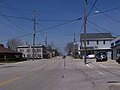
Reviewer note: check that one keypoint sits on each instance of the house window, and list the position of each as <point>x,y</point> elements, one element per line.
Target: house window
<point>38,50</point>
<point>28,50</point>
<point>97,42</point>
<point>118,51</point>
<point>34,50</point>
<point>103,41</point>
<point>28,56</point>
<point>21,50</point>
<point>88,42</point>
<point>39,55</point>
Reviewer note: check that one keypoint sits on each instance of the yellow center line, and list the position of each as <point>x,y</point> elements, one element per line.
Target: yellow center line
<point>9,81</point>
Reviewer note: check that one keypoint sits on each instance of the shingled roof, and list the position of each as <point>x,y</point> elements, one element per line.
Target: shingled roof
<point>96,35</point>
<point>6,50</point>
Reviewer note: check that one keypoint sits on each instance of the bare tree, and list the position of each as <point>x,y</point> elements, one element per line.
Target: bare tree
<point>72,49</point>
<point>69,48</point>
<point>13,43</point>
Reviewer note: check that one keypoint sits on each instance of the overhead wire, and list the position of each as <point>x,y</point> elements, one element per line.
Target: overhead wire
<point>22,9</point>
<point>59,25</point>
<point>91,25</point>
<point>20,29</point>
<point>87,16</point>
<point>30,19</point>
<point>16,8</point>
<point>8,25</point>
<point>24,35</point>
<point>107,15</point>
<point>92,8</point>
<point>80,31</point>
<point>21,36</point>
<point>55,20</point>
<point>17,17</point>
<point>109,10</point>
<point>101,27</point>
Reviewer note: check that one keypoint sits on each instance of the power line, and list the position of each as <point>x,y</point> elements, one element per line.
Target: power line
<point>112,9</point>
<point>31,10</point>
<point>16,17</point>
<point>54,20</point>
<point>8,25</point>
<point>95,28</point>
<point>21,36</point>
<point>30,19</point>
<point>21,9</point>
<point>59,24</point>
<point>106,14</point>
<point>45,29</point>
<point>101,27</point>
<point>80,31</point>
<point>87,16</point>
<point>92,8</point>
<point>109,10</point>
<point>21,29</point>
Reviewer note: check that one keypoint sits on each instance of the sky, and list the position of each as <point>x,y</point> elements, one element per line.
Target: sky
<point>58,19</point>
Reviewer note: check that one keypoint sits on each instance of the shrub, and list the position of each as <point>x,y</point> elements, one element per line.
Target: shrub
<point>12,59</point>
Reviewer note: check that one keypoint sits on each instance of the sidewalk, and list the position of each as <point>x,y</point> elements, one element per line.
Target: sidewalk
<point>10,64</point>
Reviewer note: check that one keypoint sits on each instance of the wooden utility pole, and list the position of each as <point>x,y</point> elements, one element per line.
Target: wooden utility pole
<point>46,40</point>
<point>34,32</point>
<point>85,32</point>
<point>74,39</point>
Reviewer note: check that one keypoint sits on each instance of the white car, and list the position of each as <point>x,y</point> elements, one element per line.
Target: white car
<point>91,56</point>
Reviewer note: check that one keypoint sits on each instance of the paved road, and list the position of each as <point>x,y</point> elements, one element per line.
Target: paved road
<point>60,74</point>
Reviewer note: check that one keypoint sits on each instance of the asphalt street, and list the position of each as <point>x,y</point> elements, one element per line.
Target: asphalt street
<point>60,74</point>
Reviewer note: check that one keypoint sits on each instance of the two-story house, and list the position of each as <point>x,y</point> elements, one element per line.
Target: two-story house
<point>27,50</point>
<point>96,42</point>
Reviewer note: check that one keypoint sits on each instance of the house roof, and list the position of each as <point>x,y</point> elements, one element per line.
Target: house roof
<point>6,50</point>
<point>96,35</point>
<point>28,46</point>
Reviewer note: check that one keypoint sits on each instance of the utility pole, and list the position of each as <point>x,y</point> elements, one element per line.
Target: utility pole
<point>34,32</point>
<point>74,38</point>
<point>46,40</point>
<point>85,61</point>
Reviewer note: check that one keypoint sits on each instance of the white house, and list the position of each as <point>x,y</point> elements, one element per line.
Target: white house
<point>27,50</point>
<point>96,42</point>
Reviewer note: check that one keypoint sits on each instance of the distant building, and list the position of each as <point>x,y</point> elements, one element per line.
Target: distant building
<point>96,42</point>
<point>27,50</point>
<point>115,45</point>
<point>6,53</point>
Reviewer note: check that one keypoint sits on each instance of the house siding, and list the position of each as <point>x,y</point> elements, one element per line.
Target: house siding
<point>94,44</point>
<point>28,51</point>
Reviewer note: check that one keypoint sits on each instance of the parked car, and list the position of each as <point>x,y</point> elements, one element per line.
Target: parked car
<point>91,56</point>
<point>63,57</point>
<point>101,56</point>
<point>118,60</point>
